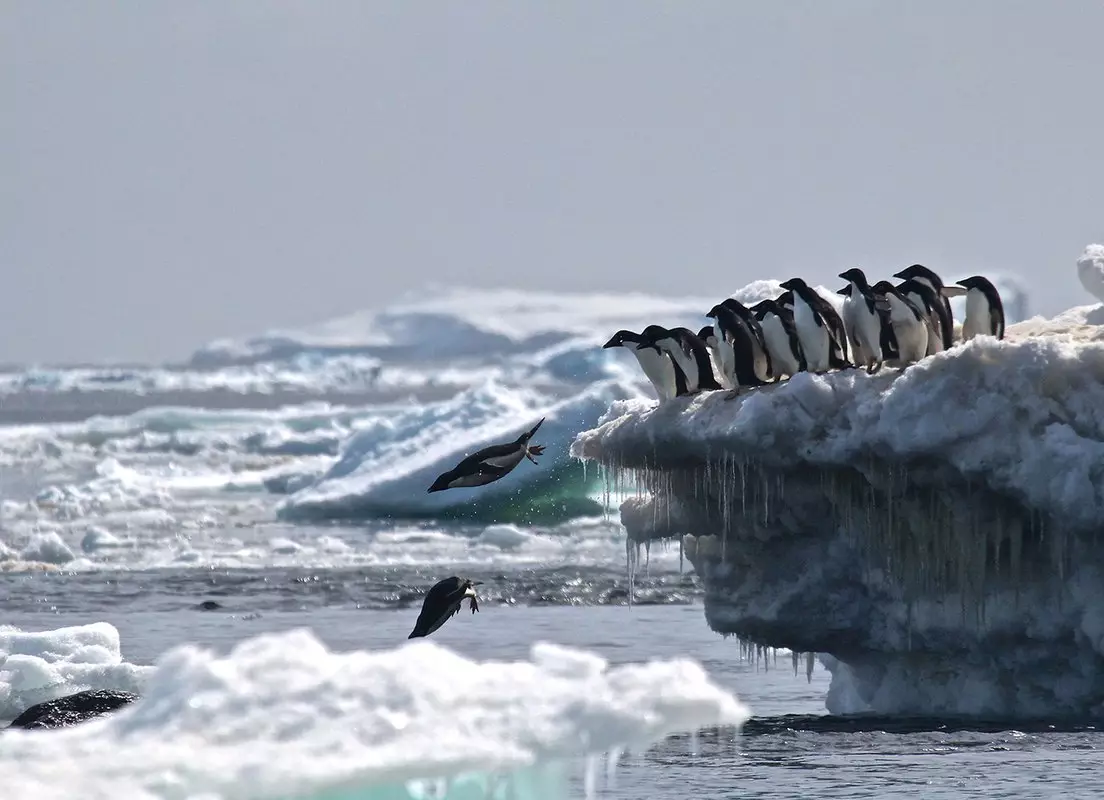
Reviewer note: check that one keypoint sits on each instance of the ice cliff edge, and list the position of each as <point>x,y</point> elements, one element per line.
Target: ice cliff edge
<point>932,532</point>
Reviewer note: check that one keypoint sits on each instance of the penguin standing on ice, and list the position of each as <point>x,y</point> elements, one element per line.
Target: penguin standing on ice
<point>760,355</point>
<point>666,377</point>
<point>918,272</point>
<point>934,309</point>
<point>863,321</point>
<point>984,309</point>
<point>442,602</point>
<point>780,337</point>
<point>490,463</point>
<point>739,339</point>
<point>909,326</point>
<point>708,334</point>
<point>689,354</point>
<point>823,338</point>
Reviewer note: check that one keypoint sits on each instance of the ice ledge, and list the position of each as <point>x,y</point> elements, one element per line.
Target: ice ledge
<point>932,531</point>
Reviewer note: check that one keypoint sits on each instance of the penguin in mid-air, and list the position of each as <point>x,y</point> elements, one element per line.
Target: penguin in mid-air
<point>910,329</point>
<point>780,337</point>
<point>984,309</point>
<point>918,272</point>
<point>931,305</point>
<point>442,601</point>
<point>688,352</point>
<point>664,374</point>
<point>823,338</point>
<point>739,339</point>
<point>490,463</point>
<point>863,321</point>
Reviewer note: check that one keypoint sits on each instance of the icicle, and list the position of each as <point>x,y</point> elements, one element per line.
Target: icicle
<point>590,777</point>
<point>795,656</point>
<point>694,749</point>
<point>810,662</point>
<point>680,555</point>
<point>612,758</point>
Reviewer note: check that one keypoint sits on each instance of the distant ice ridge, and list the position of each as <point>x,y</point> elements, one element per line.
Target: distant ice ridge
<point>386,469</point>
<point>283,717</point>
<point>41,666</point>
<point>933,532</point>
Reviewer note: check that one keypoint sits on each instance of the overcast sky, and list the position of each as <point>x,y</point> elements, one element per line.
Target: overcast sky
<point>176,172</point>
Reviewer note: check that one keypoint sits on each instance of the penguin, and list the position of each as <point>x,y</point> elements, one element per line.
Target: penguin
<point>760,355</point>
<point>984,309</point>
<point>442,601</point>
<point>780,336</point>
<point>863,321</point>
<point>785,301</point>
<point>819,327</point>
<point>918,272</point>
<point>909,326</point>
<point>708,334</point>
<point>931,305</point>
<point>490,463</point>
<point>738,337</point>
<point>658,366</point>
<point>688,353</point>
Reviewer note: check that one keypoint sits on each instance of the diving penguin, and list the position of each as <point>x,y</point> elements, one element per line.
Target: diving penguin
<point>442,601</point>
<point>490,463</point>
<point>657,366</point>
<point>823,338</point>
<point>780,337</point>
<point>984,309</point>
<point>909,326</point>
<point>688,353</point>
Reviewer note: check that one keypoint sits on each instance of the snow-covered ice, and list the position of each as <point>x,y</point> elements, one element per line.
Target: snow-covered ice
<point>281,716</point>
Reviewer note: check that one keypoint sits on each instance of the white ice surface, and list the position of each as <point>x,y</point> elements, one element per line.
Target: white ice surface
<point>1090,270</point>
<point>35,667</point>
<point>1024,415</point>
<point>283,717</point>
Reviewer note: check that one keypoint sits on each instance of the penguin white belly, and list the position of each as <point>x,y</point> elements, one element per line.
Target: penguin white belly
<point>509,461</point>
<point>864,330</point>
<point>911,333</point>
<point>935,330</point>
<point>759,362</point>
<point>722,376</point>
<point>686,362</point>
<point>727,360</point>
<point>814,338</point>
<point>660,371</point>
<point>977,316</point>
<point>778,345</point>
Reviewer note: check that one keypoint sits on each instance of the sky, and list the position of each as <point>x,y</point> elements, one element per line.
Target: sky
<point>176,173</point>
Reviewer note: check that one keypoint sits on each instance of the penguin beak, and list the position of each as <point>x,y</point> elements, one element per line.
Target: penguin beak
<point>846,290</point>
<point>614,342</point>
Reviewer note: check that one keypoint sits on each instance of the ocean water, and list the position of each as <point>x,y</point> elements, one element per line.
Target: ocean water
<point>279,484</point>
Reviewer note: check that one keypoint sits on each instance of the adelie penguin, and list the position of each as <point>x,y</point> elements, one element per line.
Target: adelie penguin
<point>761,359</point>
<point>918,272</point>
<point>780,337</point>
<point>656,365</point>
<point>708,334</point>
<point>934,309</point>
<point>490,463</point>
<point>823,338</point>
<point>863,320</point>
<point>737,337</point>
<point>442,602</point>
<point>689,354</point>
<point>984,309</point>
<point>909,326</point>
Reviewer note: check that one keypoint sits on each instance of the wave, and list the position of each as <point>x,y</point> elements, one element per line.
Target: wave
<point>283,716</point>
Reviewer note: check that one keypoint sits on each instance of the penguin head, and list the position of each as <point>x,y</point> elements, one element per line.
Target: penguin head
<point>919,271</point>
<point>845,291</point>
<point>763,307</point>
<point>794,284</point>
<point>654,334</point>
<point>621,339</point>
<point>975,282</point>
<point>785,300</point>
<point>708,335</point>
<point>855,275</point>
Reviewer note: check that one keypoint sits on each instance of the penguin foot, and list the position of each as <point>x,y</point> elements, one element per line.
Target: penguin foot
<point>534,450</point>
<point>873,369</point>
<point>732,394</point>
<point>473,604</point>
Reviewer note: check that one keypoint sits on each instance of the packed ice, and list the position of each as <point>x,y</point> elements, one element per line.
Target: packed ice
<point>281,716</point>
<point>930,531</point>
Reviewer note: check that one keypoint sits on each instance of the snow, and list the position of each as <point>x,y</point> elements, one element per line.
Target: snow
<point>1090,270</point>
<point>281,716</point>
<point>36,667</point>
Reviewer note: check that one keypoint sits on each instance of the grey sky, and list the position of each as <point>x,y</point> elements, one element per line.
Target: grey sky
<point>176,172</point>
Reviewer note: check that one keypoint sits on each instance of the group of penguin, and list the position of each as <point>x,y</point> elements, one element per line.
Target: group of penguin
<point>800,331</point>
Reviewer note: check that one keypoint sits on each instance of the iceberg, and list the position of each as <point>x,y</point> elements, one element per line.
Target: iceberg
<point>385,468</point>
<point>931,533</point>
<point>281,716</point>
